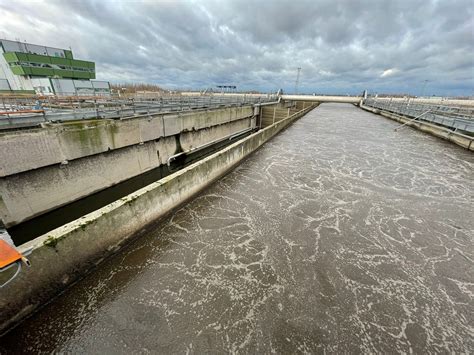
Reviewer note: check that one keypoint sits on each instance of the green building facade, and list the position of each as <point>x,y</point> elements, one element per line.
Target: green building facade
<point>33,68</point>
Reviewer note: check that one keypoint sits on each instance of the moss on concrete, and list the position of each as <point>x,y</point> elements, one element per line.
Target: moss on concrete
<point>51,242</point>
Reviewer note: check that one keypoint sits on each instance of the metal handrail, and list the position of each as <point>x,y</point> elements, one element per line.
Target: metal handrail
<point>60,109</point>
<point>452,117</point>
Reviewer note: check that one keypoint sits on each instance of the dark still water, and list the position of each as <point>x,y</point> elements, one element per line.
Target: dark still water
<point>339,235</point>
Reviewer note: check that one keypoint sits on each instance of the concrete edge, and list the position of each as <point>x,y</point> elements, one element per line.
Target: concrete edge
<point>63,255</point>
<point>104,128</point>
<point>461,140</point>
<point>31,213</point>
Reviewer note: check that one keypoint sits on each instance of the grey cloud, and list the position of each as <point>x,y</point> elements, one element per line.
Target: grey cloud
<point>341,46</point>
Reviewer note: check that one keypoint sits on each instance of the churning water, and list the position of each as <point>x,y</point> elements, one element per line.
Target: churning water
<point>339,235</point>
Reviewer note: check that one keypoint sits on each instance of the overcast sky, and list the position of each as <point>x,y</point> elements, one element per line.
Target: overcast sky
<point>341,46</point>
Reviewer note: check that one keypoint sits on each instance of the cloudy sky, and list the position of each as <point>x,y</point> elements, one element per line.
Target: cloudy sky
<point>341,46</point>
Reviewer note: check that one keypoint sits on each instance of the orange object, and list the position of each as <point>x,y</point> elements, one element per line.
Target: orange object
<point>8,254</point>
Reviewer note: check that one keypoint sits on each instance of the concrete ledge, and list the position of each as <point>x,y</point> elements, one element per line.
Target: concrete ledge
<point>32,193</point>
<point>63,255</point>
<point>437,131</point>
<point>30,149</point>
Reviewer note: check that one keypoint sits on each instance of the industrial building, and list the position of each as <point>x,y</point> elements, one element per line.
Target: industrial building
<point>29,69</point>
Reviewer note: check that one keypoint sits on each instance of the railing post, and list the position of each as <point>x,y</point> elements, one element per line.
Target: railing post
<point>96,109</point>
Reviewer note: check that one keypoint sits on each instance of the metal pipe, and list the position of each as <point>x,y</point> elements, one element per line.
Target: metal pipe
<point>193,150</point>
<point>240,133</point>
<point>424,113</point>
<point>321,98</point>
<point>269,103</point>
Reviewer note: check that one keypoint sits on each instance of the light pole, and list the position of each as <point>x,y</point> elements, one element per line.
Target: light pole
<point>423,88</point>
<point>297,80</point>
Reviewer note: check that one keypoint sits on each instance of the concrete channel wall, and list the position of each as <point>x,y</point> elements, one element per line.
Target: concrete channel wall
<point>61,256</point>
<point>43,169</point>
<point>438,131</point>
<point>274,113</point>
<point>29,149</point>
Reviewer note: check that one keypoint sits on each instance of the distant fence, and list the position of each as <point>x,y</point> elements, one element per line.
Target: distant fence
<point>453,117</point>
<point>31,111</point>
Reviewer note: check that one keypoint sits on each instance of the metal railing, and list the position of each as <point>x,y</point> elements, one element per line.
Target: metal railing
<point>455,118</point>
<point>17,112</point>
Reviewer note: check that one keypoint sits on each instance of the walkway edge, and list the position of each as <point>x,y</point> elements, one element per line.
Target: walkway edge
<point>437,131</point>
<point>65,254</point>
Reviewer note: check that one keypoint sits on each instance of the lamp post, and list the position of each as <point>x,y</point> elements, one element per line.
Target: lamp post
<point>297,80</point>
<point>423,88</point>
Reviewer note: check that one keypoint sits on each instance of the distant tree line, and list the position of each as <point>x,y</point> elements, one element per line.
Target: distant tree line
<point>133,88</point>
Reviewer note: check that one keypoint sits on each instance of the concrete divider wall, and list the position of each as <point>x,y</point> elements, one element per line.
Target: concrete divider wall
<point>275,113</point>
<point>438,131</point>
<point>193,139</point>
<point>35,148</point>
<point>64,254</point>
<point>31,193</point>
